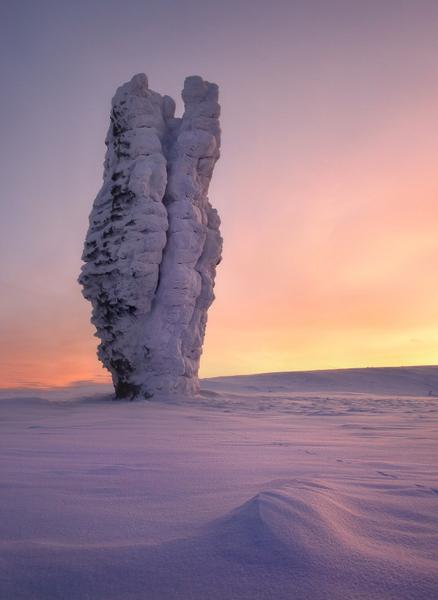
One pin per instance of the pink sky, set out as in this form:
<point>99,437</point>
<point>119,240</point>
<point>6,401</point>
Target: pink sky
<point>327,185</point>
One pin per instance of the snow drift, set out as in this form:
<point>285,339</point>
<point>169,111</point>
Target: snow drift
<point>253,491</point>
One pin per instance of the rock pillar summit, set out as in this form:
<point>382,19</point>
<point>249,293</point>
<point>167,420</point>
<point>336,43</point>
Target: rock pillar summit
<point>153,241</point>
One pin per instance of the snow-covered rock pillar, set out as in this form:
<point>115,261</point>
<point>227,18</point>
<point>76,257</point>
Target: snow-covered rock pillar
<point>153,242</point>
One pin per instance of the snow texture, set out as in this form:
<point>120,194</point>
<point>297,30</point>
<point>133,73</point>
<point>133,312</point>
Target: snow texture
<point>153,241</point>
<point>304,486</point>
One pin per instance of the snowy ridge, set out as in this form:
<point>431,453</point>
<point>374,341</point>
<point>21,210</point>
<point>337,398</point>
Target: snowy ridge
<point>402,381</point>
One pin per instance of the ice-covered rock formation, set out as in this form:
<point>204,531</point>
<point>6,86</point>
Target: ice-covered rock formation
<point>153,241</point>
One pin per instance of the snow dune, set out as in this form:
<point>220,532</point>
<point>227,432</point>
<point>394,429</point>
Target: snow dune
<point>304,486</point>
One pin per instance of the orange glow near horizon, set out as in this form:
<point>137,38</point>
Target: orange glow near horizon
<point>347,281</point>
<point>327,189</point>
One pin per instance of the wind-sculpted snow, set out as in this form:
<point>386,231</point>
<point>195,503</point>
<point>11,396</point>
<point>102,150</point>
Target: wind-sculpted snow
<point>246,493</point>
<point>153,242</point>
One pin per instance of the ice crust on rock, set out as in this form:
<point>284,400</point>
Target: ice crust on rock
<point>153,241</point>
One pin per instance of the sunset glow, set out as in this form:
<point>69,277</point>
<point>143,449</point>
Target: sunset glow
<point>327,186</point>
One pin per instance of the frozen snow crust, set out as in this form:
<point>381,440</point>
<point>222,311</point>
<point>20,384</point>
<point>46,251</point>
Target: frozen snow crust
<point>285,486</point>
<point>153,241</point>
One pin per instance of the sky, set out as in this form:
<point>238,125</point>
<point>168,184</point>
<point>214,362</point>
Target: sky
<point>327,185</point>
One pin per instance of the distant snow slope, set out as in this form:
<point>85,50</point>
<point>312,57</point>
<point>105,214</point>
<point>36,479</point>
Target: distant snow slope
<point>308,486</point>
<point>404,381</point>
<point>383,381</point>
